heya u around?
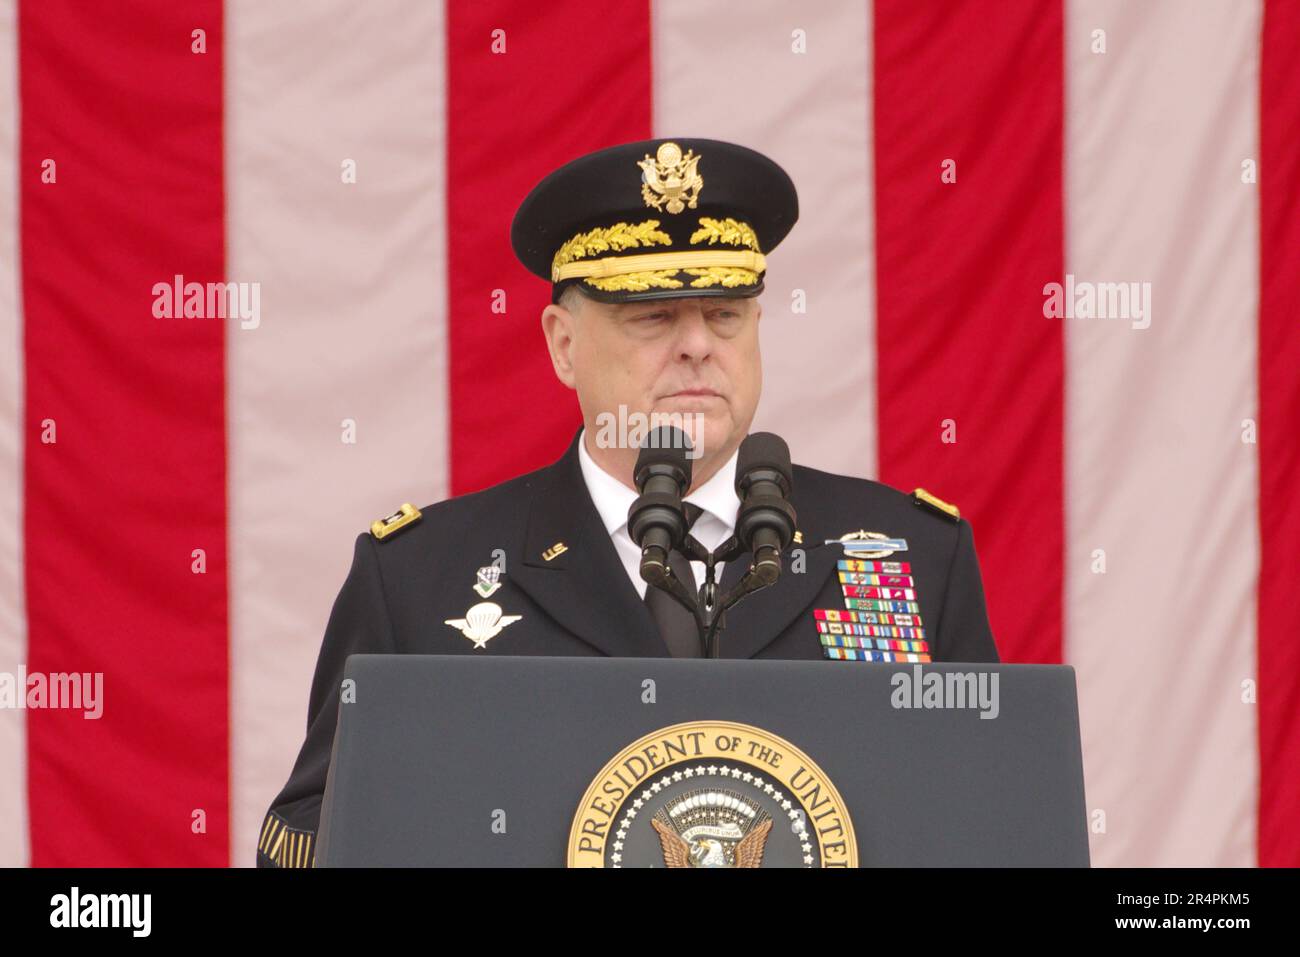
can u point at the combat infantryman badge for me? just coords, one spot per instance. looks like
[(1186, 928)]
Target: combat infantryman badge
[(862, 544), (482, 622)]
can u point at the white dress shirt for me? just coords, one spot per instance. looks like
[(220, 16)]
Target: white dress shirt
[(717, 521)]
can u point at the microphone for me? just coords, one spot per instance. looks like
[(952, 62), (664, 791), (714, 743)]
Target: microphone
[(766, 521), (656, 520)]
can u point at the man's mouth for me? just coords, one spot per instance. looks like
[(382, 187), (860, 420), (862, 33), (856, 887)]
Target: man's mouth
[(693, 393)]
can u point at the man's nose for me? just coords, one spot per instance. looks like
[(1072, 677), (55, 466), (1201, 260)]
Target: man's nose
[(694, 338)]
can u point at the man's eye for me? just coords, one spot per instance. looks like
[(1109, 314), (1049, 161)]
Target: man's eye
[(654, 315)]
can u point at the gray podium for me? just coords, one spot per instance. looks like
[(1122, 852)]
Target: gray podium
[(631, 762)]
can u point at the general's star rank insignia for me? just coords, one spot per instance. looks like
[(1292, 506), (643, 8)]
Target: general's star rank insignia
[(482, 622), (489, 580)]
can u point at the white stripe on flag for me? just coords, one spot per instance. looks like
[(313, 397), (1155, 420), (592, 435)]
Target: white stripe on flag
[(353, 329), (1157, 473), (741, 78), (14, 849)]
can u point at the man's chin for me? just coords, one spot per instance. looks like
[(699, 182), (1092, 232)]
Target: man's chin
[(707, 422), (715, 437)]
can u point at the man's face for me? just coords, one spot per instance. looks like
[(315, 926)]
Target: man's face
[(684, 356)]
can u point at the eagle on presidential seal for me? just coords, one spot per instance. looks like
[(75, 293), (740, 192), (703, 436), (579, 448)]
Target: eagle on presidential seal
[(712, 828)]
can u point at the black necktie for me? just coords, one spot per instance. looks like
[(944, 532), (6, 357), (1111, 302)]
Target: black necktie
[(676, 624)]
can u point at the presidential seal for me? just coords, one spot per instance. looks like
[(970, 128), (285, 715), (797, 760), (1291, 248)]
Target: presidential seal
[(711, 794)]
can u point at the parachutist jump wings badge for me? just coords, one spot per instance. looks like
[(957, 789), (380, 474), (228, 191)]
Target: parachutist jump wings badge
[(482, 622)]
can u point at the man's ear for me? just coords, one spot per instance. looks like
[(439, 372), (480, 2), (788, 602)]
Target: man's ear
[(558, 326)]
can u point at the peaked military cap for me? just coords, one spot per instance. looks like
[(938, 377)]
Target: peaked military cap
[(655, 219)]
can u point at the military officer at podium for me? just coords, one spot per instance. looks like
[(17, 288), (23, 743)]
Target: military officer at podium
[(656, 253)]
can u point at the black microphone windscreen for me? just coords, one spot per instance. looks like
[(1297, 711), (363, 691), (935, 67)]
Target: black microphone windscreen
[(666, 445), (763, 450)]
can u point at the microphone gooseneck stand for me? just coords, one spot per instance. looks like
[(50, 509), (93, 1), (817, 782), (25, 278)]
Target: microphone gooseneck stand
[(765, 524), (707, 607)]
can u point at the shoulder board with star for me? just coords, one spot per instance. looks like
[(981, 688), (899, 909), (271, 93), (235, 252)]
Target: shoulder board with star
[(935, 504), (404, 517)]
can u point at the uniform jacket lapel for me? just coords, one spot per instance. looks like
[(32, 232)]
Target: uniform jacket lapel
[(587, 590), (585, 587), (761, 617)]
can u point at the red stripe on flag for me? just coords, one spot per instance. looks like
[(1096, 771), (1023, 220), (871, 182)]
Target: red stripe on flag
[(1279, 424), (960, 275), (513, 116), (113, 95)]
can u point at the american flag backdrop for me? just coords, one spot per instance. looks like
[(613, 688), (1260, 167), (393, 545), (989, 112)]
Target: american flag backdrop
[(180, 495)]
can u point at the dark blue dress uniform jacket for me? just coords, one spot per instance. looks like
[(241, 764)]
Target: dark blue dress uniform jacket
[(402, 589)]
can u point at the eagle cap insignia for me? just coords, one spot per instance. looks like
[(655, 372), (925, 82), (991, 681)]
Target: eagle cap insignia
[(482, 622), (670, 181)]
